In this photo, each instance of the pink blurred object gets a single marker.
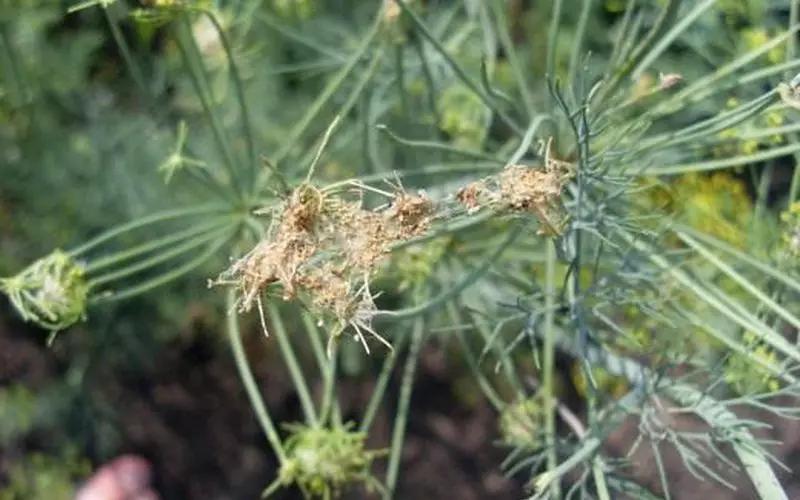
(124, 478)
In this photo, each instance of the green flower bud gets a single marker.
(52, 292)
(324, 460)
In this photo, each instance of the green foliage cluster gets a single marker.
(584, 167)
(41, 476)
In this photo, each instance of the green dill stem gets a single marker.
(430, 83)
(459, 287)
(372, 147)
(148, 220)
(156, 259)
(400, 71)
(366, 76)
(281, 27)
(490, 91)
(511, 55)
(737, 161)
(717, 414)
(504, 360)
(589, 447)
(710, 126)
(731, 273)
(548, 368)
(447, 148)
(552, 39)
(710, 84)
(238, 84)
(325, 367)
(367, 137)
(527, 138)
(794, 20)
(381, 384)
(249, 381)
(200, 175)
(273, 488)
(403, 407)
(125, 52)
(156, 244)
(197, 74)
(491, 394)
(295, 372)
(620, 48)
(661, 26)
(12, 64)
(600, 485)
(456, 68)
(577, 44)
(755, 460)
(162, 279)
(667, 38)
(328, 396)
(744, 257)
(330, 89)
(719, 301)
(316, 343)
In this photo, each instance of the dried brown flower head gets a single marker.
(324, 249)
(470, 195)
(524, 188)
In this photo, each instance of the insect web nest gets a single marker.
(524, 189)
(325, 249)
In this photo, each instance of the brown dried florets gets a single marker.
(523, 188)
(470, 195)
(328, 248)
(411, 214)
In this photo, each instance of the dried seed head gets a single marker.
(325, 249)
(391, 11)
(470, 195)
(524, 188)
(411, 214)
(669, 80)
(302, 210)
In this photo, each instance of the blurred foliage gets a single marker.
(45, 477)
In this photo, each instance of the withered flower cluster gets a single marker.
(524, 189)
(325, 249)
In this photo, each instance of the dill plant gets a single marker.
(527, 194)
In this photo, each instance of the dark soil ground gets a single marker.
(187, 413)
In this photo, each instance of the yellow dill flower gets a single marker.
(300, 9)
(606, 382)
(748, 147)
(716, 204)
(745, 375)
(727, 145)
(615, 6)
(791, 229)
(521, 423)
(774, 119)
(463, 115)
(644, 84)
(754, 38)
